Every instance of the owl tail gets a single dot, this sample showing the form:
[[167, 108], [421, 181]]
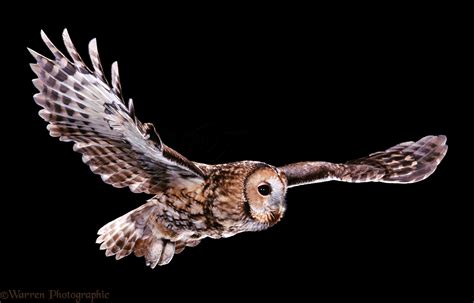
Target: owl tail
[[133, 233]]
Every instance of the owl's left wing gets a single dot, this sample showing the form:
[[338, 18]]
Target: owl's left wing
[[406, 162], [80, 106]]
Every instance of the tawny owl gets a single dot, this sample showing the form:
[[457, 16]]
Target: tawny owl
[[191, 200]]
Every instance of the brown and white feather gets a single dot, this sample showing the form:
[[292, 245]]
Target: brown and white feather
[[406, 162], [192, 201], [81, 107]]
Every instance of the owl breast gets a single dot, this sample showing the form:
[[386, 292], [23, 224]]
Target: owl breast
[[205, 216], [218, 208]]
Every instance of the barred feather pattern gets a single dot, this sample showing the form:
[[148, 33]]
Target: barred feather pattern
[[191, 201], [153, 231], [80, 106], [406, 162]]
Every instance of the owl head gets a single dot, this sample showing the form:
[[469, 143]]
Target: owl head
[[265, 191]]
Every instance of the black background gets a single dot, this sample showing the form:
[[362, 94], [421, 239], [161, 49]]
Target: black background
[[277, 88]]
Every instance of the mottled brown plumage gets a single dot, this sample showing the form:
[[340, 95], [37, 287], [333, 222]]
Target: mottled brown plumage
[[191, 200]]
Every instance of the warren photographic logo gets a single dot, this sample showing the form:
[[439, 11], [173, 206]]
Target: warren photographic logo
[[12, 295]]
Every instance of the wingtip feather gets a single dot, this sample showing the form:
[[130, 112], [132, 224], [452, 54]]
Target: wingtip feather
[[35, 54], [427, 153], [93, 47], [48, 43], [66, 34]]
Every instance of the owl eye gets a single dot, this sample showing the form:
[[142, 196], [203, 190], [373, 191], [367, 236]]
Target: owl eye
[[264, 189]]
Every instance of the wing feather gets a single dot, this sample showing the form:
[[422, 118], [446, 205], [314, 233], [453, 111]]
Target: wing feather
[[406, 162], [81, 107], [116, 87], [95, 59]]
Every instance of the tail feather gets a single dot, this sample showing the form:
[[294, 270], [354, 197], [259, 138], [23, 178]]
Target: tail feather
[[119, 236], [133, 233], [140, 233]]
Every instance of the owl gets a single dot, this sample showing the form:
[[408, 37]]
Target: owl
[[191, 201]]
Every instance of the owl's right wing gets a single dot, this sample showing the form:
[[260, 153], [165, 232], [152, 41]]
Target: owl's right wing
[[80, 106], [406, 162]]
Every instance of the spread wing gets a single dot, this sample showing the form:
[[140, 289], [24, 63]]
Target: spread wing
[[406, 162], [80, 106]]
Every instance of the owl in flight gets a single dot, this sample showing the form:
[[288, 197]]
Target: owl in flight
[[191, 201]]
